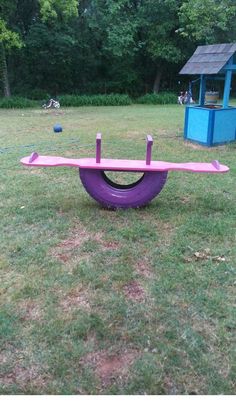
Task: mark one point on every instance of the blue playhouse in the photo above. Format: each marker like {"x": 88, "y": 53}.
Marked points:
{"x": 209, "y": 123}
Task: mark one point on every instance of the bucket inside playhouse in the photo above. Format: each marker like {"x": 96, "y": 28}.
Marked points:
{"x": 211, "y": 97}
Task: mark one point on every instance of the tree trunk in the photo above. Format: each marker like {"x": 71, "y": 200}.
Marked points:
{"x": 156, "y": 85}
{"x": 4, "y": 72}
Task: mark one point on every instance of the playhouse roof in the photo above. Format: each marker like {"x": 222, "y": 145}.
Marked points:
{"x": 209, "y": 59}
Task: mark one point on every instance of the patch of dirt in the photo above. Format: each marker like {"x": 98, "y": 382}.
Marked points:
{"x": 185, "y": 199}
{"x": 76, "y": 238}
{"x": 143, "y": 269}
{"x": 63, "y": 257}
{"x": 73, "y": 242}
{"x": 31, "y": 170}
{"x": 76, "y": 298}
{"x": 134, "y": 291}
{"x": 170, "y": 386}
{"x": 24, "y": 377}
{"x": 36, "y": 171}
{"x": 194, "y": 146}
{"x": 4, "y": 357}
{"x": 30, "y": 310}
{"x": 111, "y": 245}
{"x": 110, "y": 367}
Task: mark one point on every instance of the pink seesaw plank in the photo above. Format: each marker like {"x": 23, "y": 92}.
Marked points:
{"x": 122, "y": 165}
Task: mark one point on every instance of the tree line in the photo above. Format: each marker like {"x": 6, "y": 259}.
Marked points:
{"x": 105, "y": 46}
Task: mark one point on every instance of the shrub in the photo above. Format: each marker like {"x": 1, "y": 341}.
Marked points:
{"x": 38, "y": 94}
{"x": 94, "y": 100}
{"x": 16, "y": 102}
{"x": 158, "y": 98}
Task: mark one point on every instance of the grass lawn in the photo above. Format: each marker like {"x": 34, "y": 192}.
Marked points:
{"x": 114, "y": 302}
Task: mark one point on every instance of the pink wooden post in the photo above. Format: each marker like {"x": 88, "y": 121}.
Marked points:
{"x": 216, "y": 164}
{"x": 98, "y": 147}
{"x": 33, "y": 157}
{"x": 149, "y": 149}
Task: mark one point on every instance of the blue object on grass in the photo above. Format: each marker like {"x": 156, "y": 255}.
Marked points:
{"x": 57, "y": 128}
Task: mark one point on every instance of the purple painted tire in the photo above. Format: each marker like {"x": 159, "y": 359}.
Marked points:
{"x": 113, "y": 195}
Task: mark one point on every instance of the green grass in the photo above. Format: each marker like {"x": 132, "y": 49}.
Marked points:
{"x": 125, "y": 302}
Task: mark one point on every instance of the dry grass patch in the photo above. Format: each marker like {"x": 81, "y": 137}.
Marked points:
{"x": 25, "y": 377}
{"x": 16, "y": 370}
{"x": 134, "y": 291}
{"x": 185, "y": 199}
{"x": 31, "y": 170}
{"x": 109, "y": 245}
{"x": 195, "y": 146}
{"x": 142, "y": 267}
{"x": 76, "y": 298}
{"x": 169, "y": 385}
{"x": 109, "y": 368}
{"x": 76, "y": 239}
{"x": 30, "y": 310}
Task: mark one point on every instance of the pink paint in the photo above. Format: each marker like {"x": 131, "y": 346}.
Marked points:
{"x": 124, "y": 165}
{"x": 113, "y": 195}
{"x": 98, "y": 147}
{"x": 149, "y": 149}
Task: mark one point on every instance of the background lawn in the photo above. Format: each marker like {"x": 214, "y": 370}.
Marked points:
{"x": 114, "y": 302}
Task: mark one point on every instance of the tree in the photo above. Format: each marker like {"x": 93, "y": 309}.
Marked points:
{"x": 17, "y": 18}
{"x": 48, "y": 55}
{"x": 159, "y": 21}
{"x": 111, "y": 34}
{"x": 8, "y": 39}
{"x": 58, "y": 9}
{"x": 208, "y": 21}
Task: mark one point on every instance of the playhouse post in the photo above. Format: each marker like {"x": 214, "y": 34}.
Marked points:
{"x": 202, "y": 90}
{"x": 228, "y": 77}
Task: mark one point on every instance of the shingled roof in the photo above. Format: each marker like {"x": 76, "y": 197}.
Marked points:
{"x": 209, "y": 59}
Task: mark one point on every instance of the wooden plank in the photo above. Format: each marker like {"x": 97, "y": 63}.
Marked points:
{"x": 124, "y": 165}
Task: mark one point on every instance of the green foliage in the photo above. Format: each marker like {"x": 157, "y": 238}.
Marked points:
{"x": 16, "y": 102}
{"x": 54, "y": 9}
{"x": 38, "y": 94}
{"x": 208, "y": 20}
{"x": 95, "y": 100}
{"x": 158, "y": 98}
{"x": 160, "y": 20}
{"x": 8, "y": 37}
{"x": 96, "y": 47}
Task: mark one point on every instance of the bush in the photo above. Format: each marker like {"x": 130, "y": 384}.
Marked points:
{"x": 158, "y": 98}
{"x": 38, "y": 94}
{"x": 16, "y": 102}
{"x": 94, "y": 100}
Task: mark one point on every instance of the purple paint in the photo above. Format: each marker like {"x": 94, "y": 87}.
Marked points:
{"x": 115, "y": 196}
{"x": 98, "y": 147}
{"x": 149, "y": 149}
{"x": 33, "y": 156}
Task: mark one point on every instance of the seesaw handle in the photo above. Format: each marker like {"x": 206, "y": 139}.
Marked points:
{"x": 149, "y": 149}
{"x": 98, "y": 147}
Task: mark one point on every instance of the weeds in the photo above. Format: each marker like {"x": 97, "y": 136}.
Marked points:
{"x": 158, "y": 98}
{"x": 95, "y": 100}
